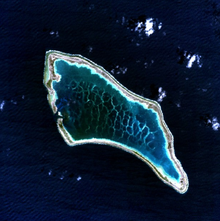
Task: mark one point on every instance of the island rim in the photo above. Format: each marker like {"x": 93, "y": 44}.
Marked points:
{"x": 50, "y": 76}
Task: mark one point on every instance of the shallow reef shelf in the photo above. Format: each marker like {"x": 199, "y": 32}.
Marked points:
{"x": 91, "y": 106}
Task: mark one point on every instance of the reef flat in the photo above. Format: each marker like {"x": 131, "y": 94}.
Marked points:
{"x": 93, "y": 107}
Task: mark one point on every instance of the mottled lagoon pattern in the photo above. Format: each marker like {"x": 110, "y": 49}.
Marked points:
{"x": 92, "y": 107}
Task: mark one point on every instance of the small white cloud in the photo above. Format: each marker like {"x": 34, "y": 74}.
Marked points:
{"x": 123, "y": 70}
{"x": 90, "y": 49}
{"x": 55, "y": 33}
{"x": 149, "y": 27}
{"x": 78, "y": 178}
{"x": 119, "y": 70}
{"x": 123, "y": 20}
{"x": 161, "y": 95}
{"x": 178, "y": 104}
{"x": 14, "y": 102}
{"x": 215, "y": 123}
{"x": 192, "y": 59}
{"x": 139, "y": 27}
{"x": 2, "y": 105}
{"x": 160, "y": 26}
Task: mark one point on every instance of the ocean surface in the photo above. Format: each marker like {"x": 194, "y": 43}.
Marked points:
{"x": 163, "y": 50}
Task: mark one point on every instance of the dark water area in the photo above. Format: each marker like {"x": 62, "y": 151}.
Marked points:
{"x": 44, "y": 179}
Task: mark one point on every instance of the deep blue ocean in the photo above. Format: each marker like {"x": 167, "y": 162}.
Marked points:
{"x": 167, "y": 51}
